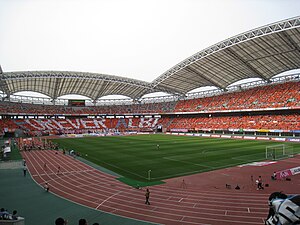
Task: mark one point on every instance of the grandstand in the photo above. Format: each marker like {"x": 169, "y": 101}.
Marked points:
{"x": 267, "y": 109}
{"x": 273, "y": 107}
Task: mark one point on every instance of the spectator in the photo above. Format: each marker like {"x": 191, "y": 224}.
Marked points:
{"x": 14, "y": 215}
{"x": 284, "y": 209}
{"x": 60, "y": 221}
{"x": 82, "y": 222}
{"x": 4, "y": 215}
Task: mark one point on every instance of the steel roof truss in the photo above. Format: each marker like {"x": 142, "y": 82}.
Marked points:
{"x": 205, "y": 78}
{"x": 250, "y": 67}
{"x": 286, "y": 24}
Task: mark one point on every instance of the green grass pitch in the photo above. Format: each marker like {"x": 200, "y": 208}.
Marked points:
{"x": 134, "y": 156}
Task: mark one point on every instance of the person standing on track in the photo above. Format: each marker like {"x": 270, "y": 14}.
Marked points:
{"x": 147, "y": 194}
{"x": 24, "y": 162}
{"x": 259, "y": 183}
{"x": 24, "y": 170}
{"x": 58, "y": 170}
{"x": 183, "y": 184}
{"x": 46, "y": 187}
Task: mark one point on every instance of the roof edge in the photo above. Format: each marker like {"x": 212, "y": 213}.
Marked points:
{"x": 275, "y": 27}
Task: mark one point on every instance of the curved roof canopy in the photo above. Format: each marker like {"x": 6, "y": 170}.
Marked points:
{"x": 58, "y": 83}
{"x": 259, "y": 53}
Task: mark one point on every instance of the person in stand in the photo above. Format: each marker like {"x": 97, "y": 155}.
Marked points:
{"x": 283, "y": 209}
{"x": 45, "y": 166}
{"x": 4, "y": 215}
{"x": 60, "y": 221}
{"x": 147, "y": 194}
{"x": 14, "y": 215}
{"x": 82, "y": 222}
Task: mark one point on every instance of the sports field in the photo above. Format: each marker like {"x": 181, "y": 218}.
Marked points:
{"x": 134, "y": 156}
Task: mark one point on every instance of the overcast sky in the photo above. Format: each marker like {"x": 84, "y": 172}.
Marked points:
{"x": 133, "y": 38}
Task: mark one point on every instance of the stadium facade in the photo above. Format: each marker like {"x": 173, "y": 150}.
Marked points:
{"x": 268, "y": 106}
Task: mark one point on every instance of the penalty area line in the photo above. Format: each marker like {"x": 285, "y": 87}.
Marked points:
{"x": 187, "y": 162}
{"x": 119, "y": 168}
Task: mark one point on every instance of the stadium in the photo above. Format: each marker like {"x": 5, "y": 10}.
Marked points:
{"x": 199, "y": 153}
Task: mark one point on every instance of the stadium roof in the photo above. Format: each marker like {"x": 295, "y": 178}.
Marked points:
{"x": 259, "y": 53}
{"x": 58, "y": 83}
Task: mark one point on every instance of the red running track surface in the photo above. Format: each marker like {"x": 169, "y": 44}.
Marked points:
{"x": 170, "y": 203}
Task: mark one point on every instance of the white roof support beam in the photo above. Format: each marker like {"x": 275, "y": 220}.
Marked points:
{"x": 257, "y": 34}
{"x": 248, "y": 65}
{"x": 205, "y": 78}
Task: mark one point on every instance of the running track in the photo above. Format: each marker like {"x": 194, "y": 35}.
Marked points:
{"x": 87, "y": 186}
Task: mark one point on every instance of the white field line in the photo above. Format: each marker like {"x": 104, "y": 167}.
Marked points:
{"x": 203, "y": 170}
{"x": 120, "y": 168}
{"x": 187, "y": 162}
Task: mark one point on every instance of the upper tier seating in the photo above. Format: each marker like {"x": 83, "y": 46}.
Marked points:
{"x": 273, "y": 122}
{"x": 271, "y": 96}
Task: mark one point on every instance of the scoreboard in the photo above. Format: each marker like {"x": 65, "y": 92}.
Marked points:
{"x": 78, "y": 103}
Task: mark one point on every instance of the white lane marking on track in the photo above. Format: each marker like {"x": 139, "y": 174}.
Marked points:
{"x": 108, "y": 199}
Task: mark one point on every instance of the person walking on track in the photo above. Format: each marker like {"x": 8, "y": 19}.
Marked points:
{"x": 24, "y": 170}
{"x": 147, "y": 194}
